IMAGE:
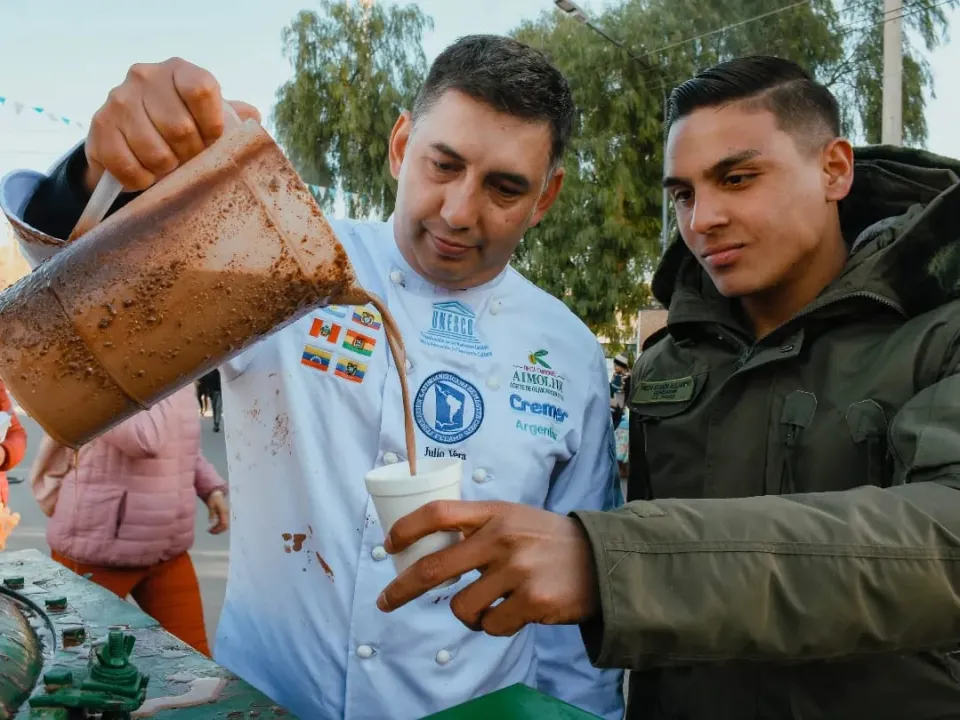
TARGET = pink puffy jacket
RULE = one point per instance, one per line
(132, 500)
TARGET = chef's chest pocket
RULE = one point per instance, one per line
(675, 428)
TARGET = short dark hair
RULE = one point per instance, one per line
(508, 75)
(802, 106)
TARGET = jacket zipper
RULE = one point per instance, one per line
(747, 350)
(121, 511)
(865, 294)
(788, 483)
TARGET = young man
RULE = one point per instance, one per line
(792, 545)
(505, 377)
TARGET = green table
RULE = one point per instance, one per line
(517, 702)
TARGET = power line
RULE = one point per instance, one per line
(715, 31)
(746, 21)
(725, 28)
(843, 31)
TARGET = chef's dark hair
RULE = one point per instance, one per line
(802, 106)
(507, 75)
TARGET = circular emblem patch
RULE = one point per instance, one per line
(447, 408)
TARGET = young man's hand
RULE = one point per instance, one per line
(540, 563)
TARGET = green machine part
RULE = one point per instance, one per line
(113, 686)
(71, 650)
(517, 702)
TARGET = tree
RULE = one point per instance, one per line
(598, 245)
(354, 70)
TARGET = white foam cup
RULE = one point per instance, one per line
(395, 494)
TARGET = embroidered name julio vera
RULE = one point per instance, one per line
(663, 391)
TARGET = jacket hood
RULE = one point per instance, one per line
(901, 221)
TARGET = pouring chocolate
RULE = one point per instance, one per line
(224, 251)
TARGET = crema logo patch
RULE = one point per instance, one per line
(545, 410)
(447, 408)
(453, 326)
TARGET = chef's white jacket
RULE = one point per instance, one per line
(503, 376)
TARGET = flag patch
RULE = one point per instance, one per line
(325, 329)
(368, 317)
(339, 311)
(350, 370)
(316, 358)
(359, 343)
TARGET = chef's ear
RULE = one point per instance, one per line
(399, 137)
(549, 195)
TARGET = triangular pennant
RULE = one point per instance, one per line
(66, 121)
(38, 110)
(18, 107)
(52, 116)
(2, 99)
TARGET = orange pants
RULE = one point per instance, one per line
(168, 592)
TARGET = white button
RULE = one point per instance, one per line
(480, 475)
(495, 306)
(443, 657)
(378, 553)
(396, 277)
(493, 383)
(365, 651)
(390, 458)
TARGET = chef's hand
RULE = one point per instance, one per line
(539, 562)
(219, 512)
(159, 117)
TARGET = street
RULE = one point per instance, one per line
(209, 552)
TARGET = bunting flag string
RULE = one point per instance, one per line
(18, 108)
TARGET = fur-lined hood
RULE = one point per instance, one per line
(901, 220)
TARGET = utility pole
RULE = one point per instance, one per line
(892, 124)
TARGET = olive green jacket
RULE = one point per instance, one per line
(799, 537)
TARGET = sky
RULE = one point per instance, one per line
(64, 56)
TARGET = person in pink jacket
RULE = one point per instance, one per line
(126, 513)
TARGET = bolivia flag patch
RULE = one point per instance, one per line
(359, 343)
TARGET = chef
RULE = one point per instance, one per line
(502, 375)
